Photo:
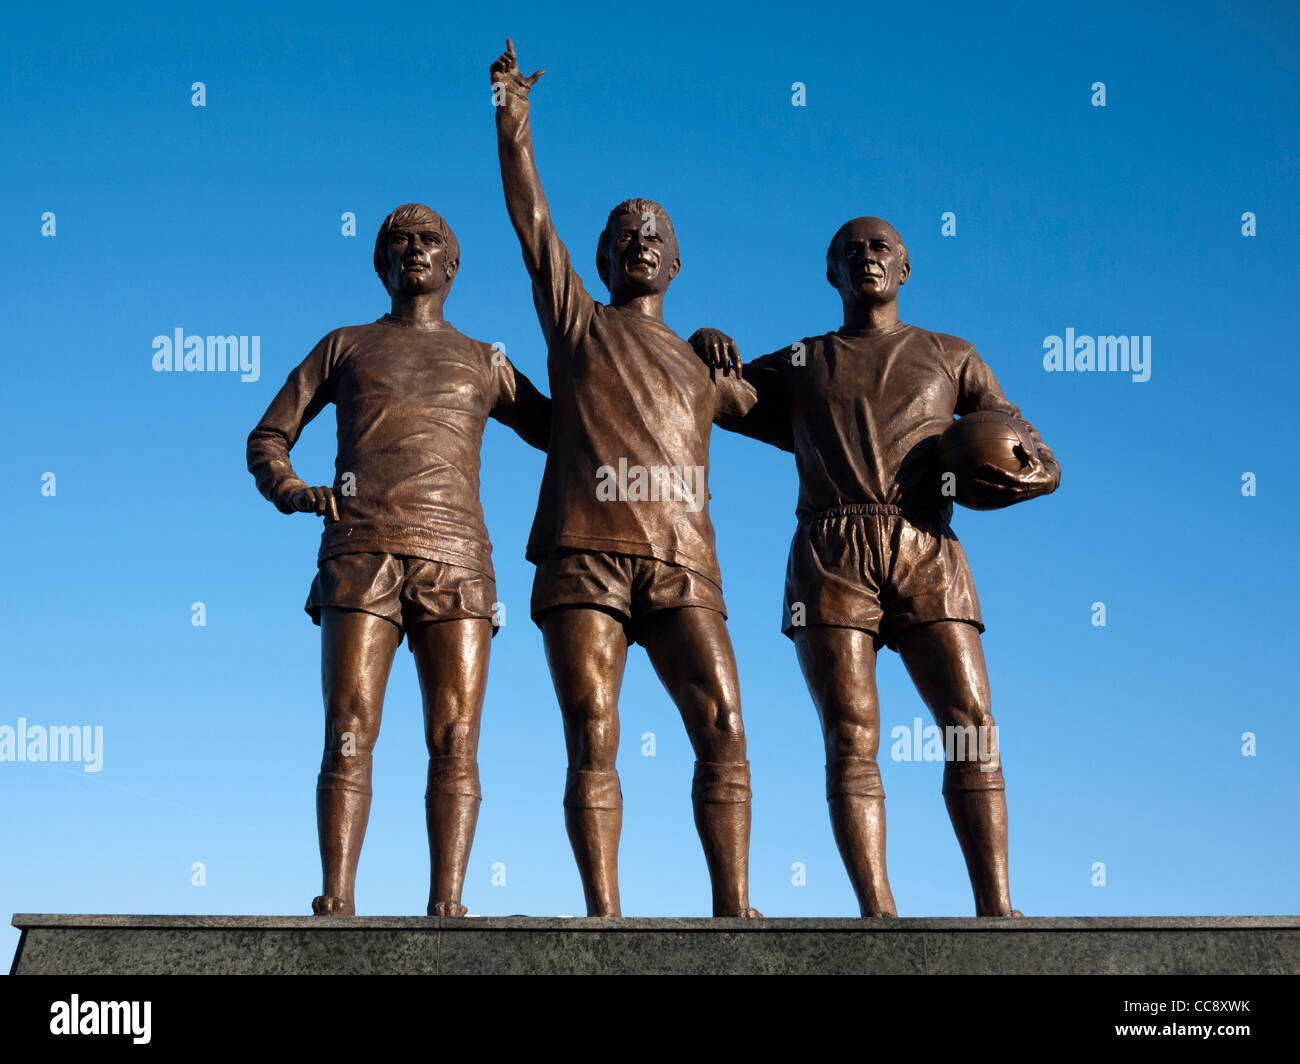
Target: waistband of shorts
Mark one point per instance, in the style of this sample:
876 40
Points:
877 509
884 508
913 514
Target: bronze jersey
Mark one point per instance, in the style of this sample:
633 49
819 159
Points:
627 466
412 402
864 411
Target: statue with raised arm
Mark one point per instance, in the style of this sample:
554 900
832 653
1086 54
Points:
622 539
404 552
874 561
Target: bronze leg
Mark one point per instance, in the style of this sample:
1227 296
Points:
946 662
691 651
839 667
451 660
356 656
587 651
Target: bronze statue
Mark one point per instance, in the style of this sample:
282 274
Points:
874 560
405 552
622 539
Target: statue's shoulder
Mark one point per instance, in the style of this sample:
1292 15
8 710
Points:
447 335
348 335
950 348
485 351
795 353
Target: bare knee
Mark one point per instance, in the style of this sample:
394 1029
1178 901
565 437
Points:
451 720
597 747
974 761
852 738
351 722
454 735
592 735
968 711
719 732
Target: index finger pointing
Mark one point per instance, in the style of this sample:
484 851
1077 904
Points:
510 48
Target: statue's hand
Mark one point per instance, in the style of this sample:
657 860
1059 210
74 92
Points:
506 72
1002 487
717 350
316 501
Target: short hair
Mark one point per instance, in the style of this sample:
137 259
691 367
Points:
407 216
637 207
830 248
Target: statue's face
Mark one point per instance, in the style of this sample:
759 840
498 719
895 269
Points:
640 262
869 263
417 261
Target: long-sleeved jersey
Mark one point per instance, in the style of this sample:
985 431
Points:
412 403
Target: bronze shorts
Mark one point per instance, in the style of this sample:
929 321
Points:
402 589
870 567
628 586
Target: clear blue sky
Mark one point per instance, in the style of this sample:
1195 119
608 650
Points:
1121 744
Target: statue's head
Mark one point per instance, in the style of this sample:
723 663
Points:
416 252
637 252
867 261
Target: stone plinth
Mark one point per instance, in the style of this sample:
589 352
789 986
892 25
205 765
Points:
247 945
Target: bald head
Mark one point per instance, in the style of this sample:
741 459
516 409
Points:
865 228
867 264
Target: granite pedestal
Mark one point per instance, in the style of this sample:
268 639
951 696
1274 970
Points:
245 945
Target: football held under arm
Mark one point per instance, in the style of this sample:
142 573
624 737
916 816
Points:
978 389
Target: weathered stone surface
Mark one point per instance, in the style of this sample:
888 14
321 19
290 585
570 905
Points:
105 945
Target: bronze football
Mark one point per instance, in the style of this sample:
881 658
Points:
982 438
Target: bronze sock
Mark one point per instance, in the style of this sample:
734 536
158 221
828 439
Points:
451 805
593 816
342 811
721 798
856 799
975 795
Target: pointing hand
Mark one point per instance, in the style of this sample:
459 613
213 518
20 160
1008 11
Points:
506 71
